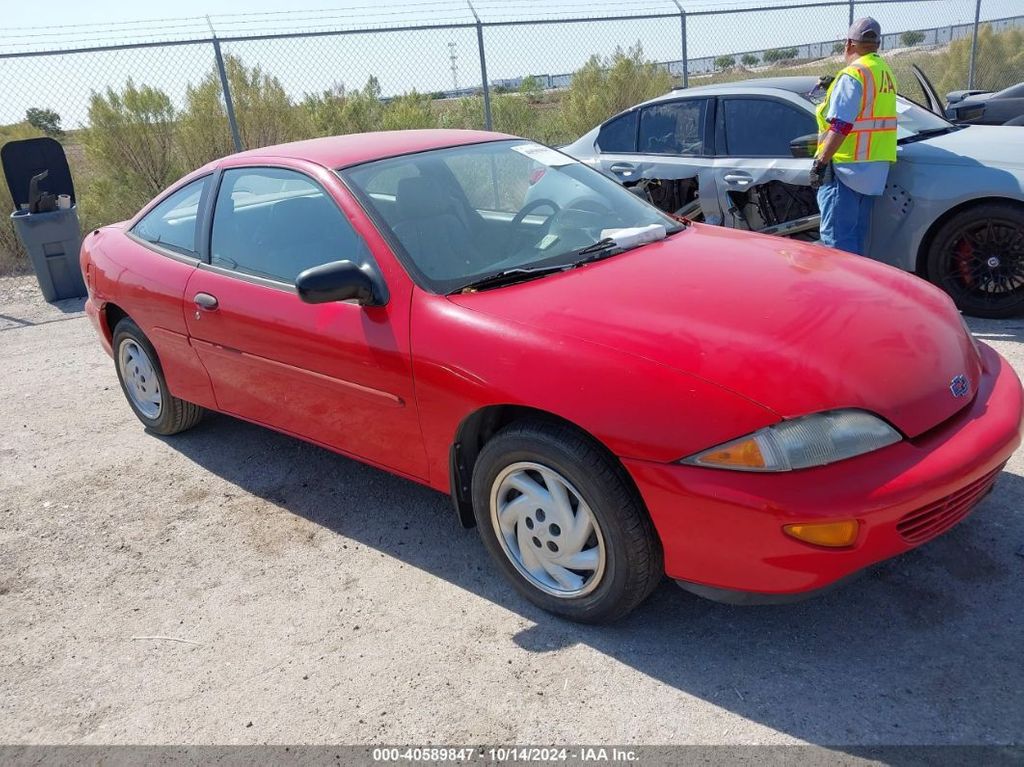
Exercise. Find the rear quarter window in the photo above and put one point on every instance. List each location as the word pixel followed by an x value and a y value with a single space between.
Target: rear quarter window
pixel 172 223
pixel 619 134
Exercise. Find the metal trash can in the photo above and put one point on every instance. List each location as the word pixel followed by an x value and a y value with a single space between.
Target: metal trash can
pixel 45 216
pixel 53 241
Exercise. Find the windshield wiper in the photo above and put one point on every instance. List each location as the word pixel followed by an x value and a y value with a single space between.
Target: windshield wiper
pixel 600 249
pixel 510 277
pixel 603 248
pixel 929 133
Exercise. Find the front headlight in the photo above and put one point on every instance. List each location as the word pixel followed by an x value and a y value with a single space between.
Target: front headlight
pixel 800 443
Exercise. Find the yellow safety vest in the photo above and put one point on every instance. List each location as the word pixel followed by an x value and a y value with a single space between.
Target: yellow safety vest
pixel 873 136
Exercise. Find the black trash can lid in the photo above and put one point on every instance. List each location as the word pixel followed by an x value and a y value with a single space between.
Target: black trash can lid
pixel 26 158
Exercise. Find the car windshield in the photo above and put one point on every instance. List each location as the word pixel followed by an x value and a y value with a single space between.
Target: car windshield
pixel 466 213
pixel 911 118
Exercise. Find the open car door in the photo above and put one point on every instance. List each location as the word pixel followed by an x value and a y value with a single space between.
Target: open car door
pixel 931 100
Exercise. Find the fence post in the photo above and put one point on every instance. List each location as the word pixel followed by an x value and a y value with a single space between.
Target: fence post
pixel 851 12
pixel 483 66
pixel 682 29
pixel 974 45
pixel 229 105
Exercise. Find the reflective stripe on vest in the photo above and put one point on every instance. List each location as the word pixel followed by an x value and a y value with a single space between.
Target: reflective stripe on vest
pixel 873 135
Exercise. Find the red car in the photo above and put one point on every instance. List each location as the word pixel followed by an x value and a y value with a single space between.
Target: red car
pixel 608 393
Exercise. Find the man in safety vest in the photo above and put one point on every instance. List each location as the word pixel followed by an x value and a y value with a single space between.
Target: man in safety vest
pixel 856 140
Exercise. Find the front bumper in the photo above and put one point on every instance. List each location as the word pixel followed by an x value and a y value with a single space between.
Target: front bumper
pixel 722 530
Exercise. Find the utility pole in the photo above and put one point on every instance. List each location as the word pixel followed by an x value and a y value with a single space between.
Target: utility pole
pixel 455 65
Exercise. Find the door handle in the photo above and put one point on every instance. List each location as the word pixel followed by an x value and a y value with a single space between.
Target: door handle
pixel 624 168
pixel 206 301
pixel 740 179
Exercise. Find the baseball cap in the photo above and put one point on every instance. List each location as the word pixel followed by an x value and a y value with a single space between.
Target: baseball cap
pixel 865 30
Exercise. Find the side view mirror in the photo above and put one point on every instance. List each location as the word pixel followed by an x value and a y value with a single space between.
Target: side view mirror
pixel 341 281
pixel 804 146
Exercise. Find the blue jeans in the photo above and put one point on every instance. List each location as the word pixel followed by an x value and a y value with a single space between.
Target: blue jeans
pixel 845 215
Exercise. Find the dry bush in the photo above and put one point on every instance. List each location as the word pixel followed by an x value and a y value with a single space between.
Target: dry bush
pixel 131 147
pixel 604 87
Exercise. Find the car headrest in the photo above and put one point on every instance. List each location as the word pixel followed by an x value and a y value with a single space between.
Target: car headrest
pixel 417 197
pixel 299 212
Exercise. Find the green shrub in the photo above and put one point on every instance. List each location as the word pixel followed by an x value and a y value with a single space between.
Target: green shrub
pixel 911 37
pixel 131 149
pixel 780 54
pixel 263 110
pixel 337 111
pixel 411 110
pixel 604 87
pixel 749 60
pixel 531 89
pixel 999 61
pixel 45 120
pixel 725 62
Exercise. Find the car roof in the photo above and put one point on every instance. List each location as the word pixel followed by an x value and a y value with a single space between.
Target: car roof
pixel 798 84
pixel 356 148
pixel 795 84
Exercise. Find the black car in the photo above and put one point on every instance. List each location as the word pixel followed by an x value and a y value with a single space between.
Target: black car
pixel 973 107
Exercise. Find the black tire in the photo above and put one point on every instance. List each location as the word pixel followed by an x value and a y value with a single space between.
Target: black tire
pixel 633 561
pixel 174 415
pixel 977 257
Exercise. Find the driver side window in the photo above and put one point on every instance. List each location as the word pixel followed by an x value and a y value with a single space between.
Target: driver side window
pixel 673 128
pixel 275 223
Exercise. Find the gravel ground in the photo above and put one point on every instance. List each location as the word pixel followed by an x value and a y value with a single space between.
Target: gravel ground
pixel 319 601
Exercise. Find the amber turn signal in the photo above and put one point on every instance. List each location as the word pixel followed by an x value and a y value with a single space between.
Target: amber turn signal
pixel 741 454
pixel 833 534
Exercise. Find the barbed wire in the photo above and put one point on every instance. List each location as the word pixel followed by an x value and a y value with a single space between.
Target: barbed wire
pixel 454 11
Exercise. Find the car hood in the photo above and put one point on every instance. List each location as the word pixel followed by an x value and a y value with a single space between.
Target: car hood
pixel 1001 146
pixel 795 327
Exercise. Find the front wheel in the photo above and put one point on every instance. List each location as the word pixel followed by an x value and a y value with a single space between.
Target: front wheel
pixel 977 257
pixel 562 521
pixel 144 386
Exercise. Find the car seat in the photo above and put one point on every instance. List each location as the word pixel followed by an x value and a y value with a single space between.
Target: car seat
pixel 437 239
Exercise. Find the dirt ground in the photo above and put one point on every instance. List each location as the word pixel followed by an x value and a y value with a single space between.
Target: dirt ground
pixel 316 600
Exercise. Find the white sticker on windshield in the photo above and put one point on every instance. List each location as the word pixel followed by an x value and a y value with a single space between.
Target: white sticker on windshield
pixel 543 155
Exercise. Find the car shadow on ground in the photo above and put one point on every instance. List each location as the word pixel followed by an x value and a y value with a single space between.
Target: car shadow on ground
pixel 922 649
pixel 997 330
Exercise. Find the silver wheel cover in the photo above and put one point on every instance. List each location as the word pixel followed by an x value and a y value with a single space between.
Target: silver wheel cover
pixel 547 530
pixel 139 378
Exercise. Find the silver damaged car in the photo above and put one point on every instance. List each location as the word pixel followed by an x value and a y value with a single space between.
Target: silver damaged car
pixel 738 155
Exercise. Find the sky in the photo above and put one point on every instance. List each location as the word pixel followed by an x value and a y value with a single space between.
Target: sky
pixel 401 60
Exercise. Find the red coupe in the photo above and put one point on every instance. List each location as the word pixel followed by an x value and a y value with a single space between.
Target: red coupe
pixel 610 394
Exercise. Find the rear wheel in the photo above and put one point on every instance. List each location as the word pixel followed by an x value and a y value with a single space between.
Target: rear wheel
pixel 977 256
pixel 144 386
pixel 564 524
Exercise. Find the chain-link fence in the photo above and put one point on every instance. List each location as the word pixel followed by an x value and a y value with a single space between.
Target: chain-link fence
pixel 135 115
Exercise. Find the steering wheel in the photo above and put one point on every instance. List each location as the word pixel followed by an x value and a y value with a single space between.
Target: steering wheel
pixel 585 214
pixel 520 217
